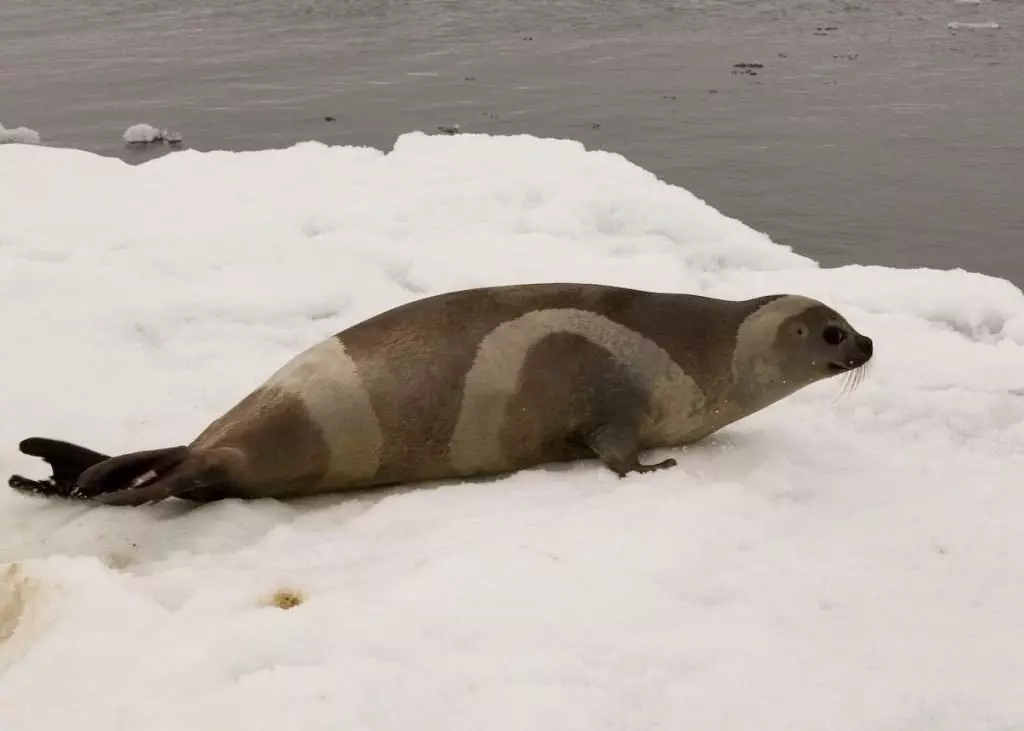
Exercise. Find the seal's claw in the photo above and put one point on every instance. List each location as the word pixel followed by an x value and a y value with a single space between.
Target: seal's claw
pixel 23 484
pixel 663 465
pixel 46 488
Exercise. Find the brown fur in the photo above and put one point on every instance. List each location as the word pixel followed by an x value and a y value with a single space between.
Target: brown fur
pixel 488 381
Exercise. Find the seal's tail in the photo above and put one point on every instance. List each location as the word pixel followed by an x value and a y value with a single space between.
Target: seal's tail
pixel 128 479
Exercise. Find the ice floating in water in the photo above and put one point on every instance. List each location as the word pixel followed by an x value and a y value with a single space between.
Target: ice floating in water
pixel 965 25
pixel 141 134
pixel 19 135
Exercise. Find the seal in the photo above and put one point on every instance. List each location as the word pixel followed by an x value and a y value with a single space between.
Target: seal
pixel 482 382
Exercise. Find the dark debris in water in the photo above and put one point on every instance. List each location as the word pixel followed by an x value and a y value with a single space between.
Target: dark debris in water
pixel 329 118
pixel 747 65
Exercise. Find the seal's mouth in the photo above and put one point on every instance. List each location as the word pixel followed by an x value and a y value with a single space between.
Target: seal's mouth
pixel 852 364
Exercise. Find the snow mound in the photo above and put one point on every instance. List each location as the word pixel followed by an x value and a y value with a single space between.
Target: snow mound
pixel 844 563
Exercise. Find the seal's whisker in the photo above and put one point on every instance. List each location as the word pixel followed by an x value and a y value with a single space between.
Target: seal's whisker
pixel 865 371
pixel 851 380
pixel 859 375
pixel 842 388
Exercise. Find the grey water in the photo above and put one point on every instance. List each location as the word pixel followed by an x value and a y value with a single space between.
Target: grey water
pixel 872 133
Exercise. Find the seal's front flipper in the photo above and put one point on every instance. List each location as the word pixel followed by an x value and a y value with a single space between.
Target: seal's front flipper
pixel 618 447
pixel 68 461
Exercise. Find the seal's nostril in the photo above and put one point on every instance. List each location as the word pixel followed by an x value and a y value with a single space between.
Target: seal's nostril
pixel 865 344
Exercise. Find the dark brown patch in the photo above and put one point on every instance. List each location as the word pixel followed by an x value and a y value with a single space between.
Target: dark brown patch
pixel 284 450
pixel 413 361
pixel 698 333
pixel 567 387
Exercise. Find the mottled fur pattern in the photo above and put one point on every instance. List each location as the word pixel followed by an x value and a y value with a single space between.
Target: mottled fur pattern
pixel 484 382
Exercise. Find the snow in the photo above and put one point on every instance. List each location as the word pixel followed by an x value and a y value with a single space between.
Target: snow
pixel 842 562
pixel 19 135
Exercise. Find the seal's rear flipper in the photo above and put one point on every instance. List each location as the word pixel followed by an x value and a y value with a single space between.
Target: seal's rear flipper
pixel 68 461
pixel 134 478
pixel 128 479
pixel 146 477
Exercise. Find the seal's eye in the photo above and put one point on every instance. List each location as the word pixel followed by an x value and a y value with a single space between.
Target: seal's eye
pixel 833 335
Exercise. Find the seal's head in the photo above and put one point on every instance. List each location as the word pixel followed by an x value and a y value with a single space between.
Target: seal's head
pixel 789 342
pixel 819 343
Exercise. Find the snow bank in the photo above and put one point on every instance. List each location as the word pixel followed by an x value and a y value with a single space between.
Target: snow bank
pixel 19 135
pixel 842 563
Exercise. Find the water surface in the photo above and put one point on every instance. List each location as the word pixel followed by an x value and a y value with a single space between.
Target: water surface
pixel 872 134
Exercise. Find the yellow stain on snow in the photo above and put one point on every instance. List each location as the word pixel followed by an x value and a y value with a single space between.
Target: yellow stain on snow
pixel 15 591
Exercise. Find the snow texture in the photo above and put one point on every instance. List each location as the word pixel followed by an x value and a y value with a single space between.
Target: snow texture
pixel 19 135
pixel 834 562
